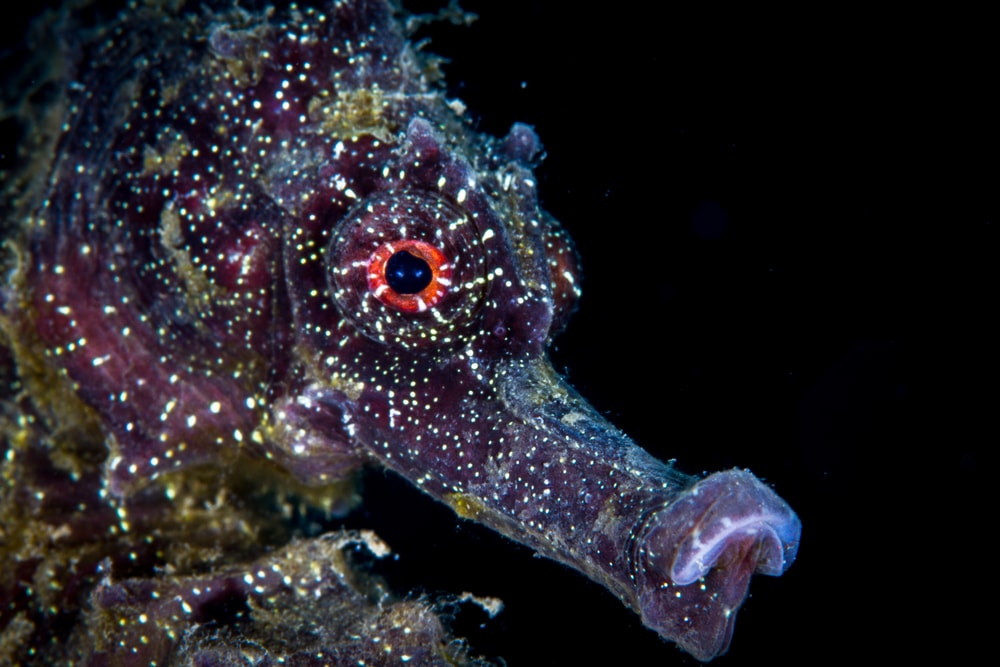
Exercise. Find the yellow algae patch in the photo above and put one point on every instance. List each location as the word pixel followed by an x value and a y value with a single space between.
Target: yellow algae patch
pixel 465 505
pixel 352 113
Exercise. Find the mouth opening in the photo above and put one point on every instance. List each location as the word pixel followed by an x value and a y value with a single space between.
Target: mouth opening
pixel 696 556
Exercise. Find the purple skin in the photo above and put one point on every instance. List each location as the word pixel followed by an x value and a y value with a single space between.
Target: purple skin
pixel 199 271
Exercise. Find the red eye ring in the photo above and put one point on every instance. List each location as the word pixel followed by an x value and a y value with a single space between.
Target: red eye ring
pixel 418 302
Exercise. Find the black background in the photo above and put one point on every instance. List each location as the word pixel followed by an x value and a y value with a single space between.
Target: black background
pixel 788 228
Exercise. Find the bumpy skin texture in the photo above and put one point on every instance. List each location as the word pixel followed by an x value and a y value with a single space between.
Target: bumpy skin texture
pixel 199 270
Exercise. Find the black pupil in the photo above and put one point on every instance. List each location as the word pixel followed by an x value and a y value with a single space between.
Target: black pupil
pixel 406 273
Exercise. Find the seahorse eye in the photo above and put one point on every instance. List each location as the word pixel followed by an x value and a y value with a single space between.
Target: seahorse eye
pixel 408 269
pixel 409 275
